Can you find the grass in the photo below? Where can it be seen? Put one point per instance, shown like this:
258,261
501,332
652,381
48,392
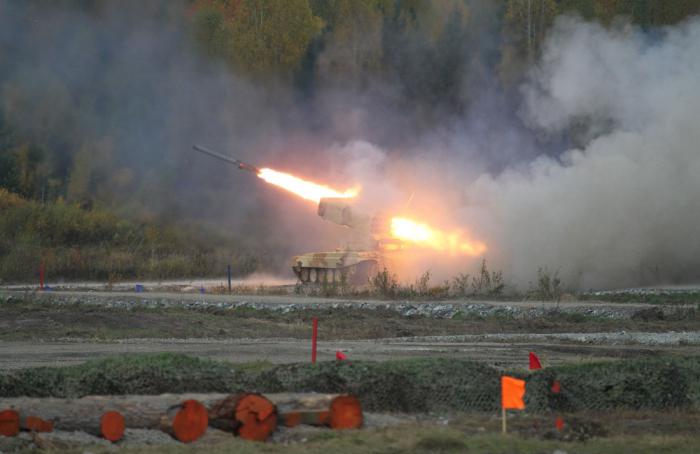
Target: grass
386,285
76,243
413,438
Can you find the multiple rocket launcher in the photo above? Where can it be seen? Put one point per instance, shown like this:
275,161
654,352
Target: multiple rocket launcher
352,264
373,238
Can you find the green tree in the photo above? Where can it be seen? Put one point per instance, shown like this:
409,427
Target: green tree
584,8
258,36
90,173
352,39
645,13
23,169
427,54
666,12
525,26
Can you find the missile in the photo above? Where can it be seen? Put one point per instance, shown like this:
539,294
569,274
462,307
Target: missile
240,164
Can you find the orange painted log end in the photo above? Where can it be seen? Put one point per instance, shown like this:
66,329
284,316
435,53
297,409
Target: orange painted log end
257,417
36,424
345,413
112,426
292,419
190,421
9,423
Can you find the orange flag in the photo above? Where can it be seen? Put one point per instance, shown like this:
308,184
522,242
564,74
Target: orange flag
512,393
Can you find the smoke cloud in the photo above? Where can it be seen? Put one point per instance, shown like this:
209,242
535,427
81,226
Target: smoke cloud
125,88
623,209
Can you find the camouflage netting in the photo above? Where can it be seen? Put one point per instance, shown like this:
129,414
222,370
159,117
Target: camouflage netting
414,385
622,384
128,374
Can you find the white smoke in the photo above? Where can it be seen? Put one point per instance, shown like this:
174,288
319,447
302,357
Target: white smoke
624,209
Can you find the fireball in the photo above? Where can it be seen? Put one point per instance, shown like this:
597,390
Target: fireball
423,235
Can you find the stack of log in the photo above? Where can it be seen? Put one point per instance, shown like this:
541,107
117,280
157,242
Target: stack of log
185,417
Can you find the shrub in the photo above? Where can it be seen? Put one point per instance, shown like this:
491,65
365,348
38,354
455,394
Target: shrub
384,284
488,283
548,286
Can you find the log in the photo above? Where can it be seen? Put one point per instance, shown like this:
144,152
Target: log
9,423
250,416
185,416
112,426
167,412
35,424
186,421
337,411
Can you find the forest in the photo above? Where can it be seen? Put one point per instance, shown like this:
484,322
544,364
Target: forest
100,102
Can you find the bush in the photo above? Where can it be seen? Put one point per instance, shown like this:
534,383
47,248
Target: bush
75,243
460,284
548,286
384,284
488,283
414,385
127,374
638,384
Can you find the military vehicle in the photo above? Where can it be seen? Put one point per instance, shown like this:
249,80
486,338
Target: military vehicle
367,251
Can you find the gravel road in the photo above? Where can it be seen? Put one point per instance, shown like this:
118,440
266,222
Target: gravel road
287,303
506,351
502,349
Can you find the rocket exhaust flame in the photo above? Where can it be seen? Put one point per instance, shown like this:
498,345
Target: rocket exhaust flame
401,228
423,235
304,189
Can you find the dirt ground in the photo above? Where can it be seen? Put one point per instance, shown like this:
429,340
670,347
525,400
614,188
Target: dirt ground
612,432
507,354
61,328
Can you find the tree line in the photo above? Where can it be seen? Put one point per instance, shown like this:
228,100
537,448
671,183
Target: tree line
429,52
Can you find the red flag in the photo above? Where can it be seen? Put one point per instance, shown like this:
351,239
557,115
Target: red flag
534,362
512,393
559,423
556,387
340,356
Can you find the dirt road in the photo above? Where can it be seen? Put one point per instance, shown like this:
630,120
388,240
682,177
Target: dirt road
511,354
69,327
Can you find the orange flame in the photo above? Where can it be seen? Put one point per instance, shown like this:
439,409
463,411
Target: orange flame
423,235
305,189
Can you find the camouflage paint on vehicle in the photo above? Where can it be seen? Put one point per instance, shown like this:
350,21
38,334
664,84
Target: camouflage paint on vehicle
359,259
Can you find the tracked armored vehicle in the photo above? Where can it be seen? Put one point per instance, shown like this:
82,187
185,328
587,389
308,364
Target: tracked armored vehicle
365,254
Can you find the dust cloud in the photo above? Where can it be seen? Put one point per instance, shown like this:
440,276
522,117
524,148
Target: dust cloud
624,208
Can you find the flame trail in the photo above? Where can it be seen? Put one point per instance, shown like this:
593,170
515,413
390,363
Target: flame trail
423,235
305,189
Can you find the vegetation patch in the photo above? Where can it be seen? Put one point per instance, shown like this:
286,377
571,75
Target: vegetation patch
413,386
126,374
79,243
